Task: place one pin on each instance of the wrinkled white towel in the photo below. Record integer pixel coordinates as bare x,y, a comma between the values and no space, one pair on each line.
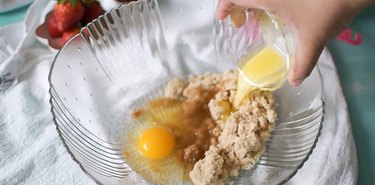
32,153
334,160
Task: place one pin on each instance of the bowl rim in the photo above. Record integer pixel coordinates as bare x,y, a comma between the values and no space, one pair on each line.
318,133
51,87
315,140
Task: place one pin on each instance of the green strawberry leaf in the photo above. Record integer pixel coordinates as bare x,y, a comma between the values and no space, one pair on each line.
71,2
74,2
87,2
61,1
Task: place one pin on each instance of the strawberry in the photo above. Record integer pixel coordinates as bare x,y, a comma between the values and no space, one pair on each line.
68,13
92,11
52,26
69,34
125,1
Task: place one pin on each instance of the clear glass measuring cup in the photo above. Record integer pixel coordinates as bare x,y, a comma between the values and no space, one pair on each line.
262,46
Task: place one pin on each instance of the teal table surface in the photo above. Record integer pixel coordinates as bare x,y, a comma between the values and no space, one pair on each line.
356,68
13,16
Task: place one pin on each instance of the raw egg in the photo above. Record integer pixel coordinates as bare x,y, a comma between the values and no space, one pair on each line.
161,131
156,143
150,145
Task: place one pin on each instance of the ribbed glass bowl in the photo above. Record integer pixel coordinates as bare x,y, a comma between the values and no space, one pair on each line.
125,58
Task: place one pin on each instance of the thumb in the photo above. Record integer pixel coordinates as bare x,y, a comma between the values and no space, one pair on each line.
223,9
225,6
307,54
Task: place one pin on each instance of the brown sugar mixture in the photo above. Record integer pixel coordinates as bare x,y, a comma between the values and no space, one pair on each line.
213,139
241,141
185,110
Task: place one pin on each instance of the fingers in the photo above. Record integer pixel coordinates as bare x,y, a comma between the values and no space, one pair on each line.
307,55
223,9
238,16
257,4
225,6
309,44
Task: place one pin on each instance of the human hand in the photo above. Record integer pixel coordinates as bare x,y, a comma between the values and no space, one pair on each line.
313,23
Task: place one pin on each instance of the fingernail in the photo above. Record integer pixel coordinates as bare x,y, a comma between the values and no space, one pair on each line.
296,83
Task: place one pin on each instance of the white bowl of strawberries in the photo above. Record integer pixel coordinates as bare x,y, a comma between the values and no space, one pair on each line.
64,19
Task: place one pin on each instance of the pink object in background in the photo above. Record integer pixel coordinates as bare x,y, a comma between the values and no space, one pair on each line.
348,37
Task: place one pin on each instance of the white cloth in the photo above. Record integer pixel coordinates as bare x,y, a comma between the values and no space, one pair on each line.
32,153
334,160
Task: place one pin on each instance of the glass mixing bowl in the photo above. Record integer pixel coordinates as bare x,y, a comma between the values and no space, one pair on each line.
125,58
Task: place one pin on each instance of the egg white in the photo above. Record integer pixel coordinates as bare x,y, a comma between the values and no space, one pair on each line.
169,170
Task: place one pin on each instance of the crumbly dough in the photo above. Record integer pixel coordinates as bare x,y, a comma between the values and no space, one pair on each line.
242,139
239,134
174,88
209,169
207,81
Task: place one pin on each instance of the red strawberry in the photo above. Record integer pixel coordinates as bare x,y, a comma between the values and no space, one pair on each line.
52,26
125,1
92,11
68,13
69,34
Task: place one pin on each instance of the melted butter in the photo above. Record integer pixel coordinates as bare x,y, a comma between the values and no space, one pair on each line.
227,107
266,68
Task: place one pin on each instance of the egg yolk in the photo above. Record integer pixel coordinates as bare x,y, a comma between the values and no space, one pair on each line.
156,143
